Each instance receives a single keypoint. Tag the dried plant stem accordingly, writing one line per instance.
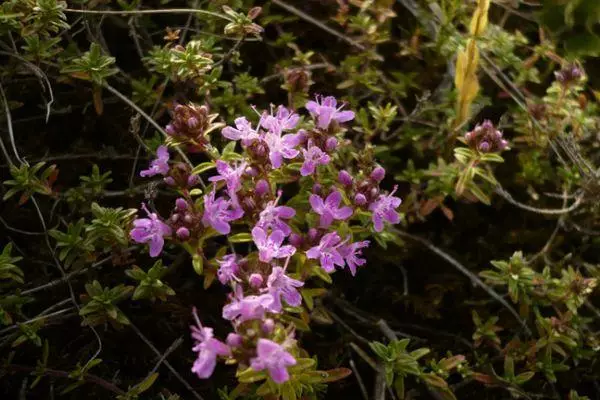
(64, 374)
(547, 211)
(146, 12)
(165, 362)
(474, 278)
(318, 24)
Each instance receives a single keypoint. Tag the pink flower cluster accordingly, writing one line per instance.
(243, 198)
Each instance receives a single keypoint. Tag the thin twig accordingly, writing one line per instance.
(178, 342)
(474, 278)
(547, 211)
(63, 374)
(165, 362)
(66, 277)
(145, 12)
(361, 384)
(319, 24)
(43, 222)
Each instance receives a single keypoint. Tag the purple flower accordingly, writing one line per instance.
(280, 285)
(228, 267)
(208, 348)
(245, 308)
(384, 208)
(270, 247)
(272, 217)
(281, 147)
(330, 208)
(243, 130)
(351, 253)
(312, 157)
(160, 165)
(150, 230)
(284, 120)
(327, 252)
(218, 213)
(272, 357)
(325, 111)
(231, 175)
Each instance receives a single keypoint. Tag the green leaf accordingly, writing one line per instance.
(198, 263)
(240, 238)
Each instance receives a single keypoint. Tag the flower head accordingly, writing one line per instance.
(330, 208)
(228, 268)
(243, 130)
(312, 157)
(245, 308)
(150, 230)
(219, 212)
(272, 216)
(384, 208)
(160, 165)
(270, 247)
(351, 253)
(231, 175)
(281, 147)
(485, 138)
(272, 357)
(208, 348)
(327, 252)
(283, 120)
(325, 110)
(280, 285)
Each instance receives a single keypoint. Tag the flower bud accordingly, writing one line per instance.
(268, 325)
(255, 280)
(193, 180)
(183, 233)
(192, 122)
(188, 219)
(344, 178)
(181, 204)
(295, 240)
(316, 189)
(312, 234)
(234, 340)
(174, 218)
(170, 129)
(251, 171)
(360, 199)
(169, 181)
(262, 187)
(378, 174)
(331, 144)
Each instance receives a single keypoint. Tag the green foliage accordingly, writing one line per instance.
(400, 364)
(150, 287)
(8, 269)
(109, 225)
(29, 180)
(100, 304)
(91, 66)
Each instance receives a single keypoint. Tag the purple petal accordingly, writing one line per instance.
(277, 237)
(312, 107)
(259, 236)
(333, 200)
(286, 212)
(286, 251)
(231, 133)
(316, 203)
(279, 374)
(308, 168)
(156, 245)
(344, 116)
(343, 213)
